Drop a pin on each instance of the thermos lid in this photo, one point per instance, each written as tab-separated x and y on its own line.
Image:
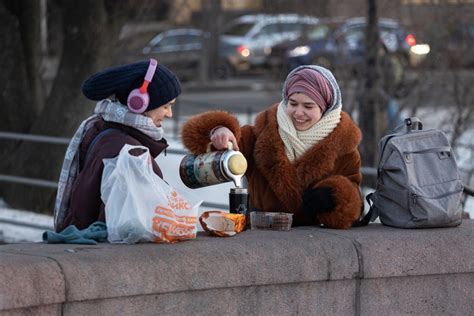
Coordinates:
237	164
238	190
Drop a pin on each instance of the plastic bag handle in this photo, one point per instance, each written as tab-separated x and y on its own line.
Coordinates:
127	148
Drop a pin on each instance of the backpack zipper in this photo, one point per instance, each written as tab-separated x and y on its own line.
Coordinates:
414	196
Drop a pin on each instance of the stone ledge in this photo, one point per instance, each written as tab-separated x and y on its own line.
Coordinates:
369	270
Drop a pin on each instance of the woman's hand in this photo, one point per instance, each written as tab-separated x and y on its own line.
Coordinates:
221	137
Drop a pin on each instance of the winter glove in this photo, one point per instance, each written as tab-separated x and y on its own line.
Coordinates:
318	201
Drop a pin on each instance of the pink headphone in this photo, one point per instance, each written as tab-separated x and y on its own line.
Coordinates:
138	99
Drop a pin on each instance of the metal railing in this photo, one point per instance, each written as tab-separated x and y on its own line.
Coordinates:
367	171
49	140
65	141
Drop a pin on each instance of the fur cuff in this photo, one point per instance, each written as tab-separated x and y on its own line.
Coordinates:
195	132
348	203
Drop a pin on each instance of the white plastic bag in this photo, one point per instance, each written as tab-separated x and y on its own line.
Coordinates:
140	206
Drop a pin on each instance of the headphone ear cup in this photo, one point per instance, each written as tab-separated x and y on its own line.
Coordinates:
137	102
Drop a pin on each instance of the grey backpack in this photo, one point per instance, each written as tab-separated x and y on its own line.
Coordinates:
418	183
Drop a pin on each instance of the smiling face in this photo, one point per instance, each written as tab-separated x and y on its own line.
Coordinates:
303	111
159	114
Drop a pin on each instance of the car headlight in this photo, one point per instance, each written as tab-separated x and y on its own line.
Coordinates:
299	51
420	49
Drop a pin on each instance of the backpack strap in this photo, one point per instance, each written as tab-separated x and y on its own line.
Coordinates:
410	124
370	216
96	139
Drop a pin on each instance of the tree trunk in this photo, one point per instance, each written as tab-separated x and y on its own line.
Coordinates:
206	50
372	106
30	25
16	97
88	28
213	27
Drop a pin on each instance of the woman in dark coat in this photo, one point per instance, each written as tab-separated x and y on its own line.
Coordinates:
132	118
302	153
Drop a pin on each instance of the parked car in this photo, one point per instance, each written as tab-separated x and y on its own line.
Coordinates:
181	51
290	54
248	39
336	43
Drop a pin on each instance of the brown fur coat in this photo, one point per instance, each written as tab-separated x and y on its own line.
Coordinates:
276	184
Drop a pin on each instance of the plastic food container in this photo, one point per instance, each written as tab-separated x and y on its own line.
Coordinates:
271	220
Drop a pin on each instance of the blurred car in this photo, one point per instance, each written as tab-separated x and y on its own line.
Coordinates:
248	39
290	54
181	51
335	43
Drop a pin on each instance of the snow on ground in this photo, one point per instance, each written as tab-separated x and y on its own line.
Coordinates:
22	226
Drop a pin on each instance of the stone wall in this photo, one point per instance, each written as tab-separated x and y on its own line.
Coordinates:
373	270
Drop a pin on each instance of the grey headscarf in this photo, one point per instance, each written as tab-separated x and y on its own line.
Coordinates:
337	98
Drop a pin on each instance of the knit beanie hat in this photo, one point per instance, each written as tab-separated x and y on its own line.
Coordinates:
313	84
121	80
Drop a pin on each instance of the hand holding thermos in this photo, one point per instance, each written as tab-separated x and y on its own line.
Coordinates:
221	136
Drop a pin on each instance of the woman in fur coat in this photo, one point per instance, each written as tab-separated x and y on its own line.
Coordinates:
302	153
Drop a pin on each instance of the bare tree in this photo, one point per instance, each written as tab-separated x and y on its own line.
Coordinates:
90	29
20	98
211	20
372	118
463	110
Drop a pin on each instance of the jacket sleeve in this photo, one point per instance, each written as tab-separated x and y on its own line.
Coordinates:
345	192
195	132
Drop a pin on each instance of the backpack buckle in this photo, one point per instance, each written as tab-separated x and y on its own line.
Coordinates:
413	124
407	157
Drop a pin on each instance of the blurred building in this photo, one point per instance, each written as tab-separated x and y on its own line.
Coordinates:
185	12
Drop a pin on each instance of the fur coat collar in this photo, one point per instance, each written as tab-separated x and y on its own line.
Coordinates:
290	179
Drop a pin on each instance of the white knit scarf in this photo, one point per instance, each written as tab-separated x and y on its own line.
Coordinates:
298	142
110	111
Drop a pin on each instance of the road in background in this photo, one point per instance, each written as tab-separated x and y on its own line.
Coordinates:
236	95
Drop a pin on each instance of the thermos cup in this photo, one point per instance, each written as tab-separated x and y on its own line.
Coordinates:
239	201
197	171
